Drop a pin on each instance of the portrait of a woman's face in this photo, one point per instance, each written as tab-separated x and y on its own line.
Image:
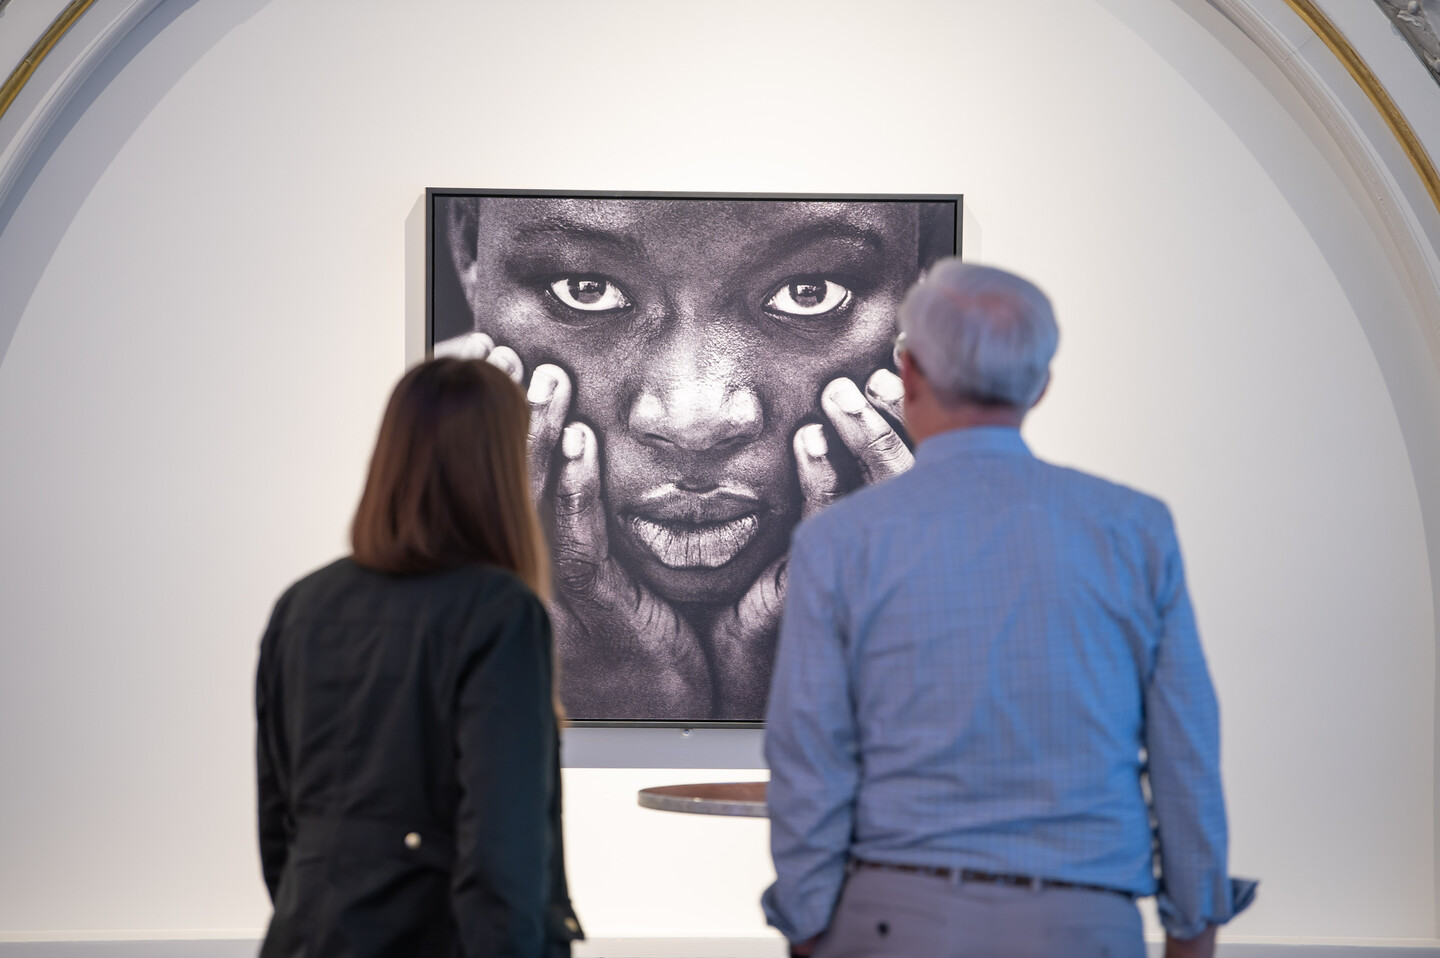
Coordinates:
702	374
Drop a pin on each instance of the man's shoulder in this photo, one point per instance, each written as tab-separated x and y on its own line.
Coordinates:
1107	495
884	505
865	507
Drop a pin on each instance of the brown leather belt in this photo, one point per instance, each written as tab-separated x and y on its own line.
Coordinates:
984	878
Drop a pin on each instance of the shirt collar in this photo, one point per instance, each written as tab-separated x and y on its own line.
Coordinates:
976	440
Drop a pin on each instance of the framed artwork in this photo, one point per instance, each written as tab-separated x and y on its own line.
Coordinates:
704	371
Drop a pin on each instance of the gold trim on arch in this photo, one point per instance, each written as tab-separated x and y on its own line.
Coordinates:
57	29
1374	90
1306	10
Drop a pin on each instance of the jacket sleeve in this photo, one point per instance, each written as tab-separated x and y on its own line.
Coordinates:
506	744
564	926
276	821
1182	739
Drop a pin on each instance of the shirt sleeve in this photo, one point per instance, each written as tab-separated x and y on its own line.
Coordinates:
811	748
506	742
1182	739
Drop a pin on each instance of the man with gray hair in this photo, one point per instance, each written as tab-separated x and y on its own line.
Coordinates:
983	664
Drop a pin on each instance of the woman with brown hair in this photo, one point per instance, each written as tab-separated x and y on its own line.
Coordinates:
407	744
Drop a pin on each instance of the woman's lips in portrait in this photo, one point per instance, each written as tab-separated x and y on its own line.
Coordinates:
695	530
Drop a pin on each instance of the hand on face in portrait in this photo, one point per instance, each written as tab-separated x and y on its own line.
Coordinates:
666	663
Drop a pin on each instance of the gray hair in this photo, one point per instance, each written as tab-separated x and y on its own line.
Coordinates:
980	334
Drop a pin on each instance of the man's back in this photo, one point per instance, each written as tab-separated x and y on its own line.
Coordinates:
983	640
1005	615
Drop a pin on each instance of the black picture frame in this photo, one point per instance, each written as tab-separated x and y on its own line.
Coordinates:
448	313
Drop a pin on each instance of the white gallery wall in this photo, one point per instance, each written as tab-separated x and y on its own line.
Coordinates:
205	292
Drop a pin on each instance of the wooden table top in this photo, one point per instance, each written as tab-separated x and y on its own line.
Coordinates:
739	799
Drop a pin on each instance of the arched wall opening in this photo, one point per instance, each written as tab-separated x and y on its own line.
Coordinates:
208	282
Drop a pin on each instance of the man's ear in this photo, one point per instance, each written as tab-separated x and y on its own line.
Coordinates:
1043	390
911	378
462	225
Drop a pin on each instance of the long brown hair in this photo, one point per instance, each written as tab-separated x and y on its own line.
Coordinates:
448	483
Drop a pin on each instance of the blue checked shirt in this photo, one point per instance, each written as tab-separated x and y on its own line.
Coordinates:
980	661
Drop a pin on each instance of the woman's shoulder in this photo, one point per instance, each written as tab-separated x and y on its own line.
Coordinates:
492	608
346	590
315	586
345	574
477	594
483	582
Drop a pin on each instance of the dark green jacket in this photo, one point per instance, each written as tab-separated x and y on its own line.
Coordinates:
408	762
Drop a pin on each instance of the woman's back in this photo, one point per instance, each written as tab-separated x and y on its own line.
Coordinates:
408	767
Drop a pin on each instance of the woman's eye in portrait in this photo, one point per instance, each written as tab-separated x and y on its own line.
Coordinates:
590	294
808	296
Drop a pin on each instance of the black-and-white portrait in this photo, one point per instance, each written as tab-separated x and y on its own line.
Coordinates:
703	373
